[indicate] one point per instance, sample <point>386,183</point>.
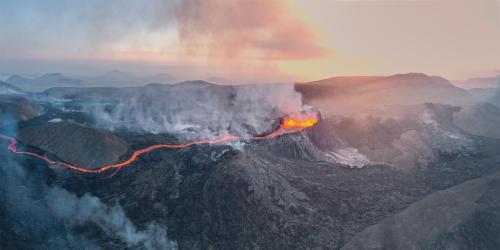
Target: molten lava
<point>288,125</point>
<point>298,123</point>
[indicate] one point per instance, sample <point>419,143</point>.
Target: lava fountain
<point>294,123</point>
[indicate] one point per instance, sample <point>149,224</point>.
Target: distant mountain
<point>491,95</point>
<point>350,94</point>
<point>118,78</point>
<point>58,78</point>
<point>18,80</point>
<point>479,119</point>
<point>114,78</point>
<point>51,77</point>
<point>17,108</point>
<point>216,79</point>
<point>480,82</point>
<point>116,74</point>
<point>9,89</point>
<point>159,78</point>
<point>44,82</point>
<point>483,94</point>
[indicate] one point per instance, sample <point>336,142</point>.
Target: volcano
<point>196,165</point>
<point>112,147</point>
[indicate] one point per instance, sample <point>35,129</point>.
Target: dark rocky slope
<point>8,89</point>
<point>74,143</point>
<point>18,108</point>
<point>267,197</point>
<point>465,216</point>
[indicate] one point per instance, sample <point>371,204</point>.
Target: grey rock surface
<point>18,108</point>
<point>76,144</point>
<point>461,217</point>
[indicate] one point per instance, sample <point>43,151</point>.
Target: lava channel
<point>288,125</point>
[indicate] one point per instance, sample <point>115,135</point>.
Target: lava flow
<point>288,125</point>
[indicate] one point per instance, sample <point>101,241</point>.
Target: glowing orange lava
<point>291,123</point>
<point>288,125</point>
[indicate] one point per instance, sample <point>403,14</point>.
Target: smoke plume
<point>197,110</point>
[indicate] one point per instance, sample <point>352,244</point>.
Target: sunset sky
<point>252,40</point>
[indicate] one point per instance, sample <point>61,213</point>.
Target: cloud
<point>255,28</point>
<point>107,22</point>
<point>241,40</point>
<point>259,29</point>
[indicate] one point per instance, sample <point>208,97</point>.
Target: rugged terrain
<point>75,143</point>
<point>409,171</point>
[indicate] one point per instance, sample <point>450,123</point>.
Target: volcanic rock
<point>76,144</point>
<point>18,107</point>
<point>8,89</point>
<point>285,192</point>
<point>403,136</point>
<point>465,216</point>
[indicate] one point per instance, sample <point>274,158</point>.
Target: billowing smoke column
<point>195,110</point>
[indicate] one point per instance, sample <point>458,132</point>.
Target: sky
<point>252,40</point>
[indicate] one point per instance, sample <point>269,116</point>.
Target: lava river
<point>287,125</point>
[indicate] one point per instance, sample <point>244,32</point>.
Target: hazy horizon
<point>271,41</point>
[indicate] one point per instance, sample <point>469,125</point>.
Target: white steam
<point>198,109</point>
<point>49,216</point>
<point>77,211</point>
